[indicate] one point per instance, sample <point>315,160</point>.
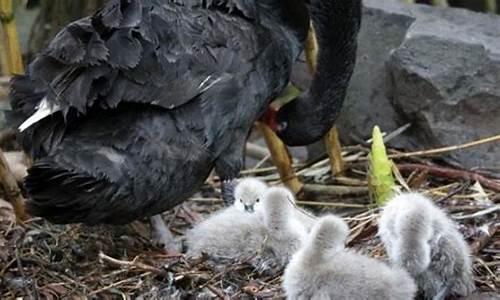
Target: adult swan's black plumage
<point>133,107</point>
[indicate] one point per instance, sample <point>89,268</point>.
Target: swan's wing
<point>152,52</point>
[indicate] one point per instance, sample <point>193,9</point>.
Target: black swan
<point>419,237</point>
<point>324,269</point>
<point>126,112</point>
<point>131,108</point>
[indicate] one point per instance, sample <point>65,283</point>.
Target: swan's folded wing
<point>153,52</point>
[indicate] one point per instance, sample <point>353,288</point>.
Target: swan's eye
<point>282,126</point>
<point>241,200</point>
<point>258,200</point>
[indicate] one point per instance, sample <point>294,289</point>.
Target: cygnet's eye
<point>241,200</point>
<point>258,200</point>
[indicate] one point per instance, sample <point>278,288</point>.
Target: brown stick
<point>255,151</point>
<point>281,158</point>
<point>350,181</point>
<point>316,190</point>
<point>330,204</point>
<point>452,174</point>
<point>4,56</point>
<point>454,192</point>
<point>132,264</point>
<point>447,149</point>
<point>334,149</point>
<point>481,242</point>
<point>118,283</point>
<point>218,292</point>
<point>11,37</point>
<point>440,3</point>
<point>12,191</point>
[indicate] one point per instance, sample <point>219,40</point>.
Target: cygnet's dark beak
<point>249,208</point>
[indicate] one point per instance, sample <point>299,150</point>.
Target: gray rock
<point>445,80</point>
<point>367,103</point>
<point>435,68</point>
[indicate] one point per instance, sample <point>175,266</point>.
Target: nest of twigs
<point>46,261</point>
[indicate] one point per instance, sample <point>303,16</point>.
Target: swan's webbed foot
<point>162,236</point>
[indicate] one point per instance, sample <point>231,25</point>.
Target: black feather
<point>153,95</point>
<point>125,50</point>
<point>96,50</point>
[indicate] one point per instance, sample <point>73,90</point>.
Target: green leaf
<point>380,178</point>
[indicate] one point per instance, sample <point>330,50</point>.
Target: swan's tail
<point>119,166</point>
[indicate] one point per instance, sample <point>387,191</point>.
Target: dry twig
<point>480,243</point>
<point>334,149</point>
<point>15,59</point>
<point>315,190</point>
<point>447,149</point>
<point>12,191</point>
<point>134,264</point>
<point>452,174</point>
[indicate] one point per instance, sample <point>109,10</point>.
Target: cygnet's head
<point>248,195</point>
<point>278,206</point>
<point>330,232</point>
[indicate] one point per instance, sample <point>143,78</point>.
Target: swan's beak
<point>249,208</point>
<point>269,118</point>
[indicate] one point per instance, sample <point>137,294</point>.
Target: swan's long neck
<point>337,40</point>
<point>309,118</point>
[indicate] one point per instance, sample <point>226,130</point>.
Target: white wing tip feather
<point>44,110</point>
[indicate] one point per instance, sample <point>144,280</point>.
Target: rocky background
<point>436,69</point>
